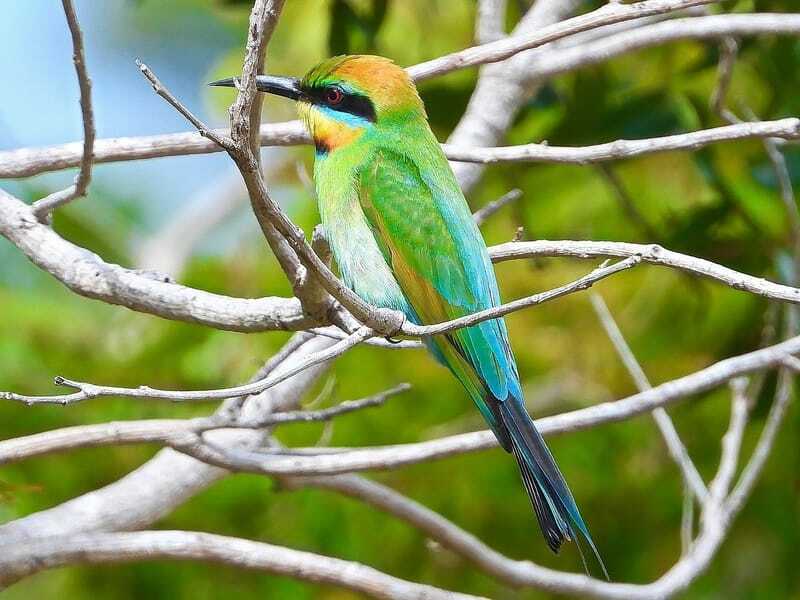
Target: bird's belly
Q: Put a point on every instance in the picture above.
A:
(361, 263)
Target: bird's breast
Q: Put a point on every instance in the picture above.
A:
(361, 263)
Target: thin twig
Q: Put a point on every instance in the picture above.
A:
(731, 441)
(578, 285)
(42, 208)
(675, 445)
(758, 459)
(483, 213)
(86, 391)
(162, 91)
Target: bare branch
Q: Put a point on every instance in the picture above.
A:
(87, 274)
(505, 48)
(649, 253)
(86, 391)
(677, 450)
(32, 161)
(490, 21)
(713, 27)
(482, 214)
(27, 162)
(43, 207)
(335, 333)
(687, 520)
(545, 63)
(388, 457)
(728, 50)
(164, 430)
(755, 465)
(583, 283)
(162, 91)
(309, 416)
(23, 560)
(788, 129)
(731, 441)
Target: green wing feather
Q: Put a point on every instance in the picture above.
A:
(426, 233)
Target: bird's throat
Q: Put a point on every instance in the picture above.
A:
(328, 133)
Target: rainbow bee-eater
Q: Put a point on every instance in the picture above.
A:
(403, 238)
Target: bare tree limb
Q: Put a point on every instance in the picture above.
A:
(87, 274)
(731, 441)
(163, 430)
(490, 21)
(169, 479)
(649, 253)
(27, 162)
(31, 161)
(102, 548)
(788, 129)
(544, 63)
(755, 465)
(505, 48)
(43, 207)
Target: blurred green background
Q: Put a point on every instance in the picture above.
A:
(721, 203)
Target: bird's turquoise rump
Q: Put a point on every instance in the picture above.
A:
(404, 238)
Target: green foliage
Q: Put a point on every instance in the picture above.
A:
(721, 203)
(353, 31)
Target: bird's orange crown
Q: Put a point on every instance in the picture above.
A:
(344, 95)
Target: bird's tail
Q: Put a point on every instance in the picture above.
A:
(552, 501)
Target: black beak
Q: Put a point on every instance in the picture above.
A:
(288, 87)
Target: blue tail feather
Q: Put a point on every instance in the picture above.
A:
(552, 501)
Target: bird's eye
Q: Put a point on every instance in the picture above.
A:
(334, 95)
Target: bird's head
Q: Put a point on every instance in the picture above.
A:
(344, 96)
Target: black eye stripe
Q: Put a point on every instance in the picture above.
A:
(355, 104)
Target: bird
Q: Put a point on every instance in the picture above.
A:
(404, 238)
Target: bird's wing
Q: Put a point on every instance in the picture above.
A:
(428, 237)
